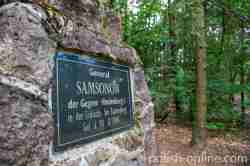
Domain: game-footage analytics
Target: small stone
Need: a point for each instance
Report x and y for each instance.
(83, 163)
(92, 160)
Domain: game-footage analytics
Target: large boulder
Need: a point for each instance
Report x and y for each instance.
(30, 33)
(26, 127)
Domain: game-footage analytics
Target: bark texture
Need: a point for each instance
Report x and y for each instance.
(198, 30)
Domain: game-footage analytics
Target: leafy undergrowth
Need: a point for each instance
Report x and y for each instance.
(223, 148)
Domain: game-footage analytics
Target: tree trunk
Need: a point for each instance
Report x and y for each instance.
(198, 30)
(242, 100)
(242, 75)
(173, 49)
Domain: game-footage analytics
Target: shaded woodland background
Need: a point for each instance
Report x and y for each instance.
(161, 31)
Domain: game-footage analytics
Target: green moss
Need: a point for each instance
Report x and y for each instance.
(104, 28)
(102, 4)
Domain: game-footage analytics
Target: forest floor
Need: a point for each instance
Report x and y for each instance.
(224, 148)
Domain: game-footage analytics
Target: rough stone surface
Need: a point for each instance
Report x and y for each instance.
(146, 115)
(90, 30)
(30, 32)
(100, 153)
(25, 129)
(24, 44)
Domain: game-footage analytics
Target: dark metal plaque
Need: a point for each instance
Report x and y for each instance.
(91, 99)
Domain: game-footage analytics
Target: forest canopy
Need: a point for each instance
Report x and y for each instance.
(162, 31)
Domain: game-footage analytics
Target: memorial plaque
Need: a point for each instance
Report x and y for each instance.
(91, 99)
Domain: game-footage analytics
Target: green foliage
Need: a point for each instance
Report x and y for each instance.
(161, 32)
(215, 126)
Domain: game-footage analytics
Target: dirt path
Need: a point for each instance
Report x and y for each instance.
(222, 149)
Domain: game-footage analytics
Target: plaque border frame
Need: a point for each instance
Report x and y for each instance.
(60, 55)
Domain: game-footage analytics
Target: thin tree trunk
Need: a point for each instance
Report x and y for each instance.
(222, 38)
(173, 48)
(198, 29)
(227, 47)
(242, 76)
(242, 100)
